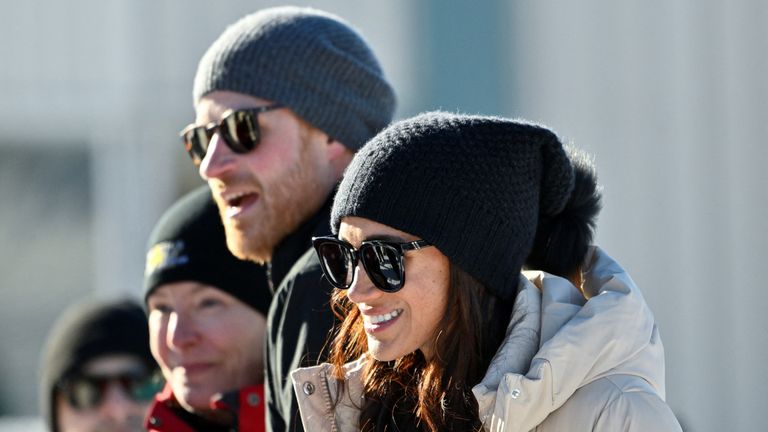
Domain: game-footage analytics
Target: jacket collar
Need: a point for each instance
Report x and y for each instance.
(245, 405)
(324, 404)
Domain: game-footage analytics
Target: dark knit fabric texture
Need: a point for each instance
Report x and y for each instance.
(473, 186)
(86, 331)
(309, 60)
(188, 244)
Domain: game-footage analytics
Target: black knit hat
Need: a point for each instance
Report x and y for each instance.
(473, 186)
(188, 244)
(86, 331)
(311, 61)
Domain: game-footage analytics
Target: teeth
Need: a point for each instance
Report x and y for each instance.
(378, 319)
(231, 211)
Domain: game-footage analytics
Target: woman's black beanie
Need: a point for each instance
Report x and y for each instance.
(562, 240)
(473, 186)
(188, 244)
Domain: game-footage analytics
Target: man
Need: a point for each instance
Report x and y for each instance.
(207, 323)
(283, 98)
(97, 372)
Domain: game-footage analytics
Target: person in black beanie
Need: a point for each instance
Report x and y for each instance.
(435, 219)
(97, 372)
(207, 321)
(283, 98)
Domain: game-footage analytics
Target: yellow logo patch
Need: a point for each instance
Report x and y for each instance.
(165, 255)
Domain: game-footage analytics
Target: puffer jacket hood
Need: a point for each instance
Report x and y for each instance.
(558, 343)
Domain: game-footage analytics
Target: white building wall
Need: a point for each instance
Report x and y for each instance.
(672, 99)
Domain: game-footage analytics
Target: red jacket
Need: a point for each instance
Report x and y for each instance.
(247, 406)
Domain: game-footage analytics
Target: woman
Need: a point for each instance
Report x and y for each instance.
(207, 322)
(435, 218)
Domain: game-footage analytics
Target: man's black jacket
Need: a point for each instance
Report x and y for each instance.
(299, 321)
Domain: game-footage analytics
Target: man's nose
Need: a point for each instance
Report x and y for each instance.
(218, 160)
(117, 404)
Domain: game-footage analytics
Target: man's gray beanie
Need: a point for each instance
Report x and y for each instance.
(309, 60)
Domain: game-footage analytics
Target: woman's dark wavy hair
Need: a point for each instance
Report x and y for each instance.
(562, 241)
(416, 394)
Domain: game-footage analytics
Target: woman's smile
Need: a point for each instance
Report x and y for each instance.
(378, 323)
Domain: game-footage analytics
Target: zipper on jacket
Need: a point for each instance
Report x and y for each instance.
(329, 411)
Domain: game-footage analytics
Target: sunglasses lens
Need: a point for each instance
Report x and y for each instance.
(337, 263)
(382, 263)
(241, 131)
(145, 388)
(196, 142)
(84, 394)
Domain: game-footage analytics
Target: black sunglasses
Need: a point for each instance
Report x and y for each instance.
(85, 392)
(239, 128)
(382, 261)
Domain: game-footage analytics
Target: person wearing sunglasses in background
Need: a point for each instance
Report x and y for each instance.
(435, 218)
(283, 98)
(207, 323)
(97, 373)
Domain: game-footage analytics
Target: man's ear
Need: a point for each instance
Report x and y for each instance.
(339, 156)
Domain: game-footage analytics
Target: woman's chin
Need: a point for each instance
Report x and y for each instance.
(195, 401)
(385, 354)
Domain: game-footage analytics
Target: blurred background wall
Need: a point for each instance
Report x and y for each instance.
(671, 97)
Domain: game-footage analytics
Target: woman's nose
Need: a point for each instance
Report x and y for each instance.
(362, 289)
(182, 331)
